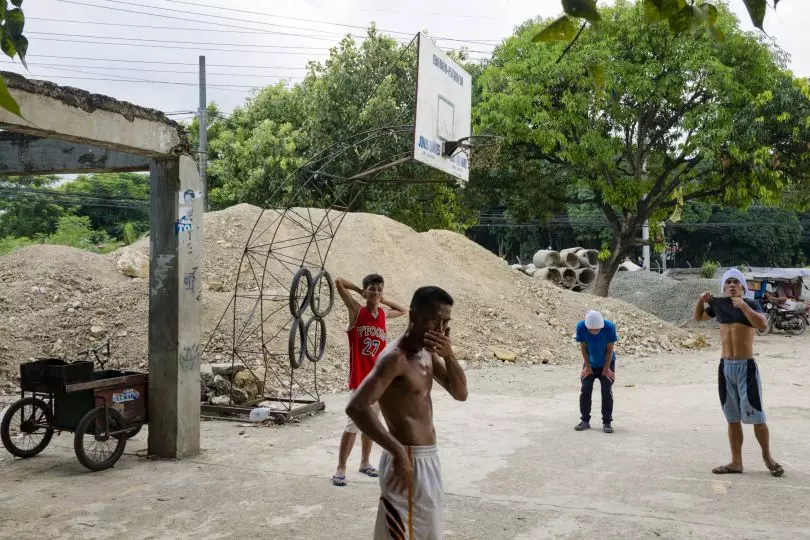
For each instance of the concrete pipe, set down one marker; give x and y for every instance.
(530, 269)
(546, 258)
(568, 260)
(569, 278)
(588, 258)
(579, 287)
(585, 276)
(549, 274)
(574, 250)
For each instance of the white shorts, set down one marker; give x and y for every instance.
(420, 508)
(351, 428)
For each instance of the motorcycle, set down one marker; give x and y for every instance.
(793, 321)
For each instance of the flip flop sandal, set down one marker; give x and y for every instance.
(338, 480)
(776, 470)
(370, 471)
(725, 470)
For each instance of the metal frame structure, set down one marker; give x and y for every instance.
(282, 273)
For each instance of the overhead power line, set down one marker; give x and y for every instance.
(159, 62)
(64, 66)
(219, 20)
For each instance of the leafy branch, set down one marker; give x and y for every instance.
(13, 43)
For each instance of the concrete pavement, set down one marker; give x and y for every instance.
(513, 467)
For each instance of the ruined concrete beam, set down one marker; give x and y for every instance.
(25, 154)
(73, 115)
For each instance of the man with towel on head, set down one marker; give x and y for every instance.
(739, 382)
(596, 338)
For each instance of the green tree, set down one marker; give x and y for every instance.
(682, 16)
(110, 201)
(24, 210)
(641, 119)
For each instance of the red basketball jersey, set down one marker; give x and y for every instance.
(367, 339)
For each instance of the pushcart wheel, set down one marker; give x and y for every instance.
(94, 448)
(25, 429)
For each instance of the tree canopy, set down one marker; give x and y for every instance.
(638, 120)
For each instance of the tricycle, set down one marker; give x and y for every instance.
(103, 408)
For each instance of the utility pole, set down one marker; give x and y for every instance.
(203, 113)
(645, 235)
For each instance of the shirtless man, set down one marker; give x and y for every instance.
(410, 474)
(739, 383)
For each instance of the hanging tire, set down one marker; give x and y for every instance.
(319, 341)
(316, 304)
(297, 345)
(299, 305)
(93, 425)
(800, 326)
(29, 425)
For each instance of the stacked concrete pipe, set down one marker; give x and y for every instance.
(569, 258)
(549, 274)
(546, 258)
(569, 278)
(585, 276)
(588, 258)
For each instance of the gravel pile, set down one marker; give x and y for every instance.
(672, 300)
(56, 300)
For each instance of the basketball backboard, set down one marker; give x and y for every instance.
(443, 110)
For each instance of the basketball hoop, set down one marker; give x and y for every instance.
(470, 143)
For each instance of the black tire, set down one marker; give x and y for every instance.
(92, 424)
(315, 304)
(297, 337)
(320, 339)
(801, 326)
(297, 308)
(35, 405)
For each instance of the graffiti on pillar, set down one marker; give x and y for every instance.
(190, 279)
(189, 358)
(183, 224)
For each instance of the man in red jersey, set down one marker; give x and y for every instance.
(367, 339)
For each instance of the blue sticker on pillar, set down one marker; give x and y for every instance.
(183, 224)
(190, 279)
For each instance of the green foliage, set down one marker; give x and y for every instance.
(111, 200)
(23, 211)
(708, 269)
(667, 125)
(12, 243)
(13, 43)
(682, 17)
(132, 231)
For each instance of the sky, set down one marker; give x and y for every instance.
(147, 52)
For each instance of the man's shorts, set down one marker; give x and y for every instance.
(351, 428)
(422, 510)
(740, 391)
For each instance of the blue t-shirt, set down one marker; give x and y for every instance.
(597, 344)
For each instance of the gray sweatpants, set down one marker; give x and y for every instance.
(415, 513)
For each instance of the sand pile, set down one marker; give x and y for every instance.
(58, 300)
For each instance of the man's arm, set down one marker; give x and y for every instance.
(396, 309)
(448, 373)
(389, 366)
(583, 349)
(700, 310)
(754, 316)
(344, 288)
(446, 369)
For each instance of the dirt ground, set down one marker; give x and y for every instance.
(513, 466)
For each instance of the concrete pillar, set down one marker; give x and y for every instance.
(175, 289)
